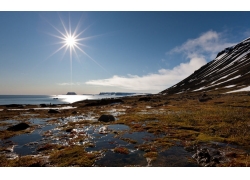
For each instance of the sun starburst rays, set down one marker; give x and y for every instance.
(71, 41)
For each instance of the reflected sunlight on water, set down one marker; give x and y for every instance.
(72, 98)
(75, 98)
(47, 99)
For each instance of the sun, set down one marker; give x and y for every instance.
(70, 41)
(69, 38)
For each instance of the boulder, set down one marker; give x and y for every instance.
(69, 129)
(207, 158)
(74, 112)
(18, 127)
(145, 99)
(204, 97)
(53, 111)
(106, 118)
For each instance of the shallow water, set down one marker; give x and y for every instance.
(8, 123)
(11, 121)
(27, 144)
(22, 141)
(175, 156)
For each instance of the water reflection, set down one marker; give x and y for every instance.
(75, 98)
(118, 136)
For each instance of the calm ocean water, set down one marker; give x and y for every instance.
(47, 99)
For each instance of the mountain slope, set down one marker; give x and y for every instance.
(229, 71)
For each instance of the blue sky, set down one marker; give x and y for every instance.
(128, 51)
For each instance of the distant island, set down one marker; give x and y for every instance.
(71, 93)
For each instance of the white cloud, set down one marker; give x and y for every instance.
(196, 50)
(158, 81)
(209, 43)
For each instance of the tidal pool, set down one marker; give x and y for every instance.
(115, 136)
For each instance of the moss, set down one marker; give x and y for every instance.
(206, 138)
(129, 140)
(73, 156)
(24, 161)
(49, 147)
(121, 150)
(151, 155)
(7, 134)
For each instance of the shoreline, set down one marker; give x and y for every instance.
(146, 128)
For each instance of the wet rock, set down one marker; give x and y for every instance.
(18, 127)
(106, 118)
(207, 158)
(43, 105)
(9, 142)
(103, 130)
(69, 129)
(53, 111)
(91, 145)
(31, 143)
(8, 149)
(11, 156)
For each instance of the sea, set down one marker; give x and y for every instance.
(48, 99)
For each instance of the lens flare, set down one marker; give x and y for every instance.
(71, 41)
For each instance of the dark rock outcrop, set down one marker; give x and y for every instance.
(69, 129)
(102, 102)
(144, 99)
(106, 118)
(53, 111)
(204, 97)
(18, 127)
(15, 106)
(208, 158)
(74, 112)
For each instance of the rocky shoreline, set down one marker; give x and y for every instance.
(149, 130)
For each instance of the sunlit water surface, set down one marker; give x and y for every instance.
(47, 99)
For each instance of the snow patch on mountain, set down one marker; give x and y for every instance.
(240, 90)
